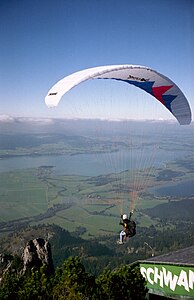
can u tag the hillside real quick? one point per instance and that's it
(176, 210)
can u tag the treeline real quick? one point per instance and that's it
(178, 211)
(19, 224)
(71, 281)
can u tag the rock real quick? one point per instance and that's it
(36, 254)
(5, 264)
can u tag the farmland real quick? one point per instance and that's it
(93, 204)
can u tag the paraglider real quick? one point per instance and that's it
(152, 82)
(129, 228)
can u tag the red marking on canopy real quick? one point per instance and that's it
(159, 91)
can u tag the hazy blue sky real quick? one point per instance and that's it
(41, 41)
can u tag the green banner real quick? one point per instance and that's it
(169, 279)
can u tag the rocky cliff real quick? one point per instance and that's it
(36, 253)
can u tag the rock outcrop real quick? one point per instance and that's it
(36, 254)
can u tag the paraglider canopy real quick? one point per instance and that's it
(152, 82)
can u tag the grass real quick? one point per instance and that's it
(95, 225)
(94, 205)
(18, 204)
(21, 195)
(144, 203)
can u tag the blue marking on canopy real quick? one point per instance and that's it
(144, 85)
(168, 100)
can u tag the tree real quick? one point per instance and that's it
(125, 282)
(73, 282)
(9, 287)
(36, 285)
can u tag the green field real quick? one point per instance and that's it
(21, 195)
(93, 203)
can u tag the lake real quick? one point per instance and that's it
(95, 164)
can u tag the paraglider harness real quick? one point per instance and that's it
(129, 226)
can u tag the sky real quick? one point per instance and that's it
(41, 41)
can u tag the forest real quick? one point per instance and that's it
(71, 281)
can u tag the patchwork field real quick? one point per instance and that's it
(88, 205)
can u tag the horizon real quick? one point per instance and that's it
(4, 118)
